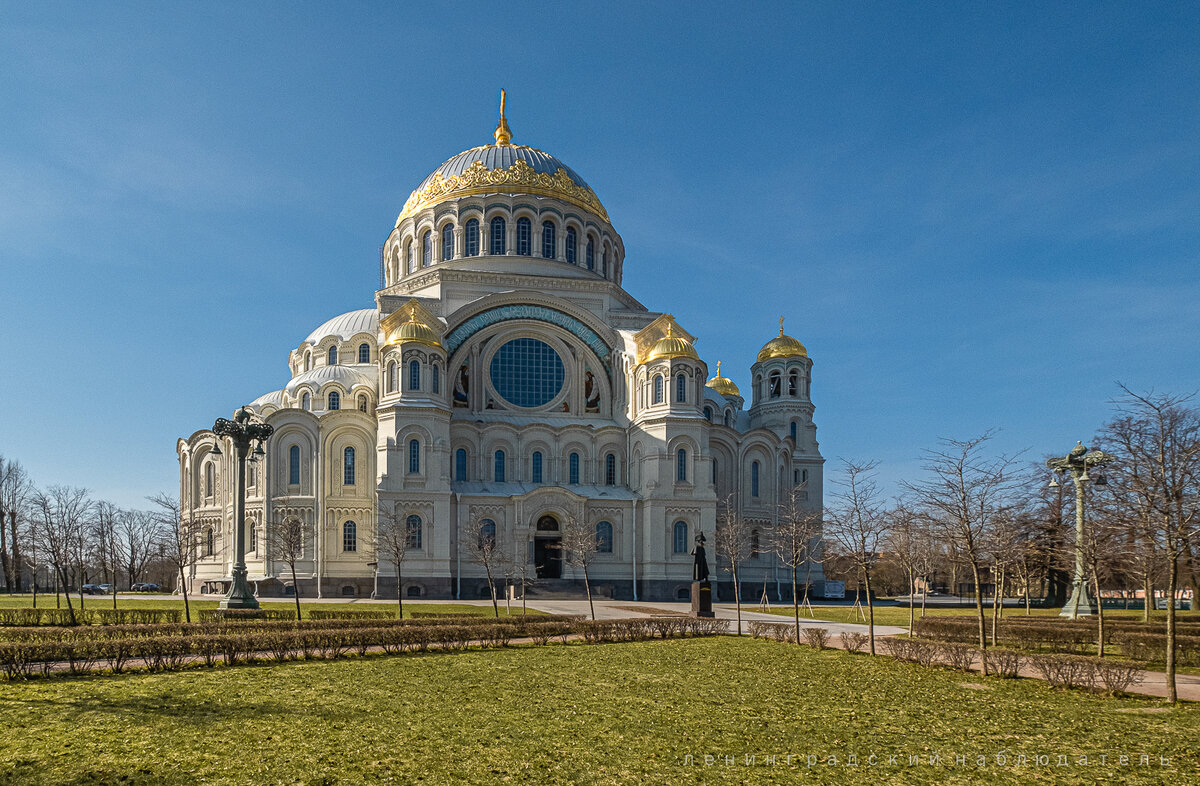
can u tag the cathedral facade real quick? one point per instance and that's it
(503, 386)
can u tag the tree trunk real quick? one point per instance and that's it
(996, 602)
(4, 563)
(1172, 583)
(796, 600)
(737, 597)
(16, 548)
(492, 590)
(912, 607)
(924, 593)
(187, 611)
(870, 611)
(1099, 614)
(296, 591)
(980, 615)
(67, 584)
(587, 585)
(399, 591)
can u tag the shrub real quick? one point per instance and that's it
(351, 614)
(245, 615)
(208, 648)
(135, 616)
(1002, 662)
(1118, 675)
(959, 657)
(816, 637)
(1067, 671)
(854, 642)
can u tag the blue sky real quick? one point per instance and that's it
(975, 215)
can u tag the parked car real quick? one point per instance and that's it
(148, 587)
(137, 587)
(91, 589)
(106, 589)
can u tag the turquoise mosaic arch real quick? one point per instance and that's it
(492, 316)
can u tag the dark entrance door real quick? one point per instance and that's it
(547, 557)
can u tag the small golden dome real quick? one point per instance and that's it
(415, 331)
(723, 385)
(782, 347)
(672, 346)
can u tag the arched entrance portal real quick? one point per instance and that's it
(547, 548)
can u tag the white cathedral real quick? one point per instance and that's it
(502, 385)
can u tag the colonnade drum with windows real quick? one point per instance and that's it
(502, 390)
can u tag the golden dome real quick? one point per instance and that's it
(782, 347)
(415, 331)
(723, 385)
(672, 346)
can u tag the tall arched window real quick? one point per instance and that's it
(604, 537)
(364, 353)
(792, 430)
(524, 237)
(679, 538)
(681, 466)
(499, 476)
(535, 467)
(349, 536)
(294, 465)
(610, 469)
(306, 402)
(209, 549)
(714, 472)
(333, 356)
(604, 263)
(414, 375)
(348, 467)
(680, 388)
(499, 236)
(708, 414)
(412, 532)
(793, 383)
(487, 534)
(391, 377)
(590, 254)
(208, 480)
(447, 242)
(335, 400)
(573, 469)
(414, 456)
(253, 473)
(362, 402)
(548, 239)
(409, 259)
(658, 389)
(728, 418)
(435, 379)
(253, 537)
(753, 543)
(572, 241)
(754, 479)
(427, 249)
(773, 383)
(471, 239)
(460, 464)
(307, 361)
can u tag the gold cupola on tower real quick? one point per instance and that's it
(782, 347)
(672, 346)
(723, 385)
(412, 330)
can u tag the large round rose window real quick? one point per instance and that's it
(527, 372)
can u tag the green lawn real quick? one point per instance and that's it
(133, 602)
(615, 713)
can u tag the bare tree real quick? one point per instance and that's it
(394, 537)
(135, 536)
(176, 542)
(858, 525)
(1157, 437)
(732, 543)
(104, 538)
(61, 514)
(966, 491)
(910, 544)
(796, 539)
(285, 542)
(15, 491)
(482, 549)
(580, 544)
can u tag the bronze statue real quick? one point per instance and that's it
(700, 563)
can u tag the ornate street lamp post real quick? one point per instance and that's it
(242, 433)
(1077, 463)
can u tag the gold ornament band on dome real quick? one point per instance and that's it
(520, 177)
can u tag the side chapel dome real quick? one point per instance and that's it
(782, 347)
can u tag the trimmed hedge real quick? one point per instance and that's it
(244, 615)
(59, 617)
(1152, 647)
(235, 644)
(351, 614)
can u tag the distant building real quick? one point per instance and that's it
(502, 384)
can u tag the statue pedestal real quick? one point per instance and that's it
(701, 599)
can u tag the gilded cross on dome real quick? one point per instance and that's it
(502, 133)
